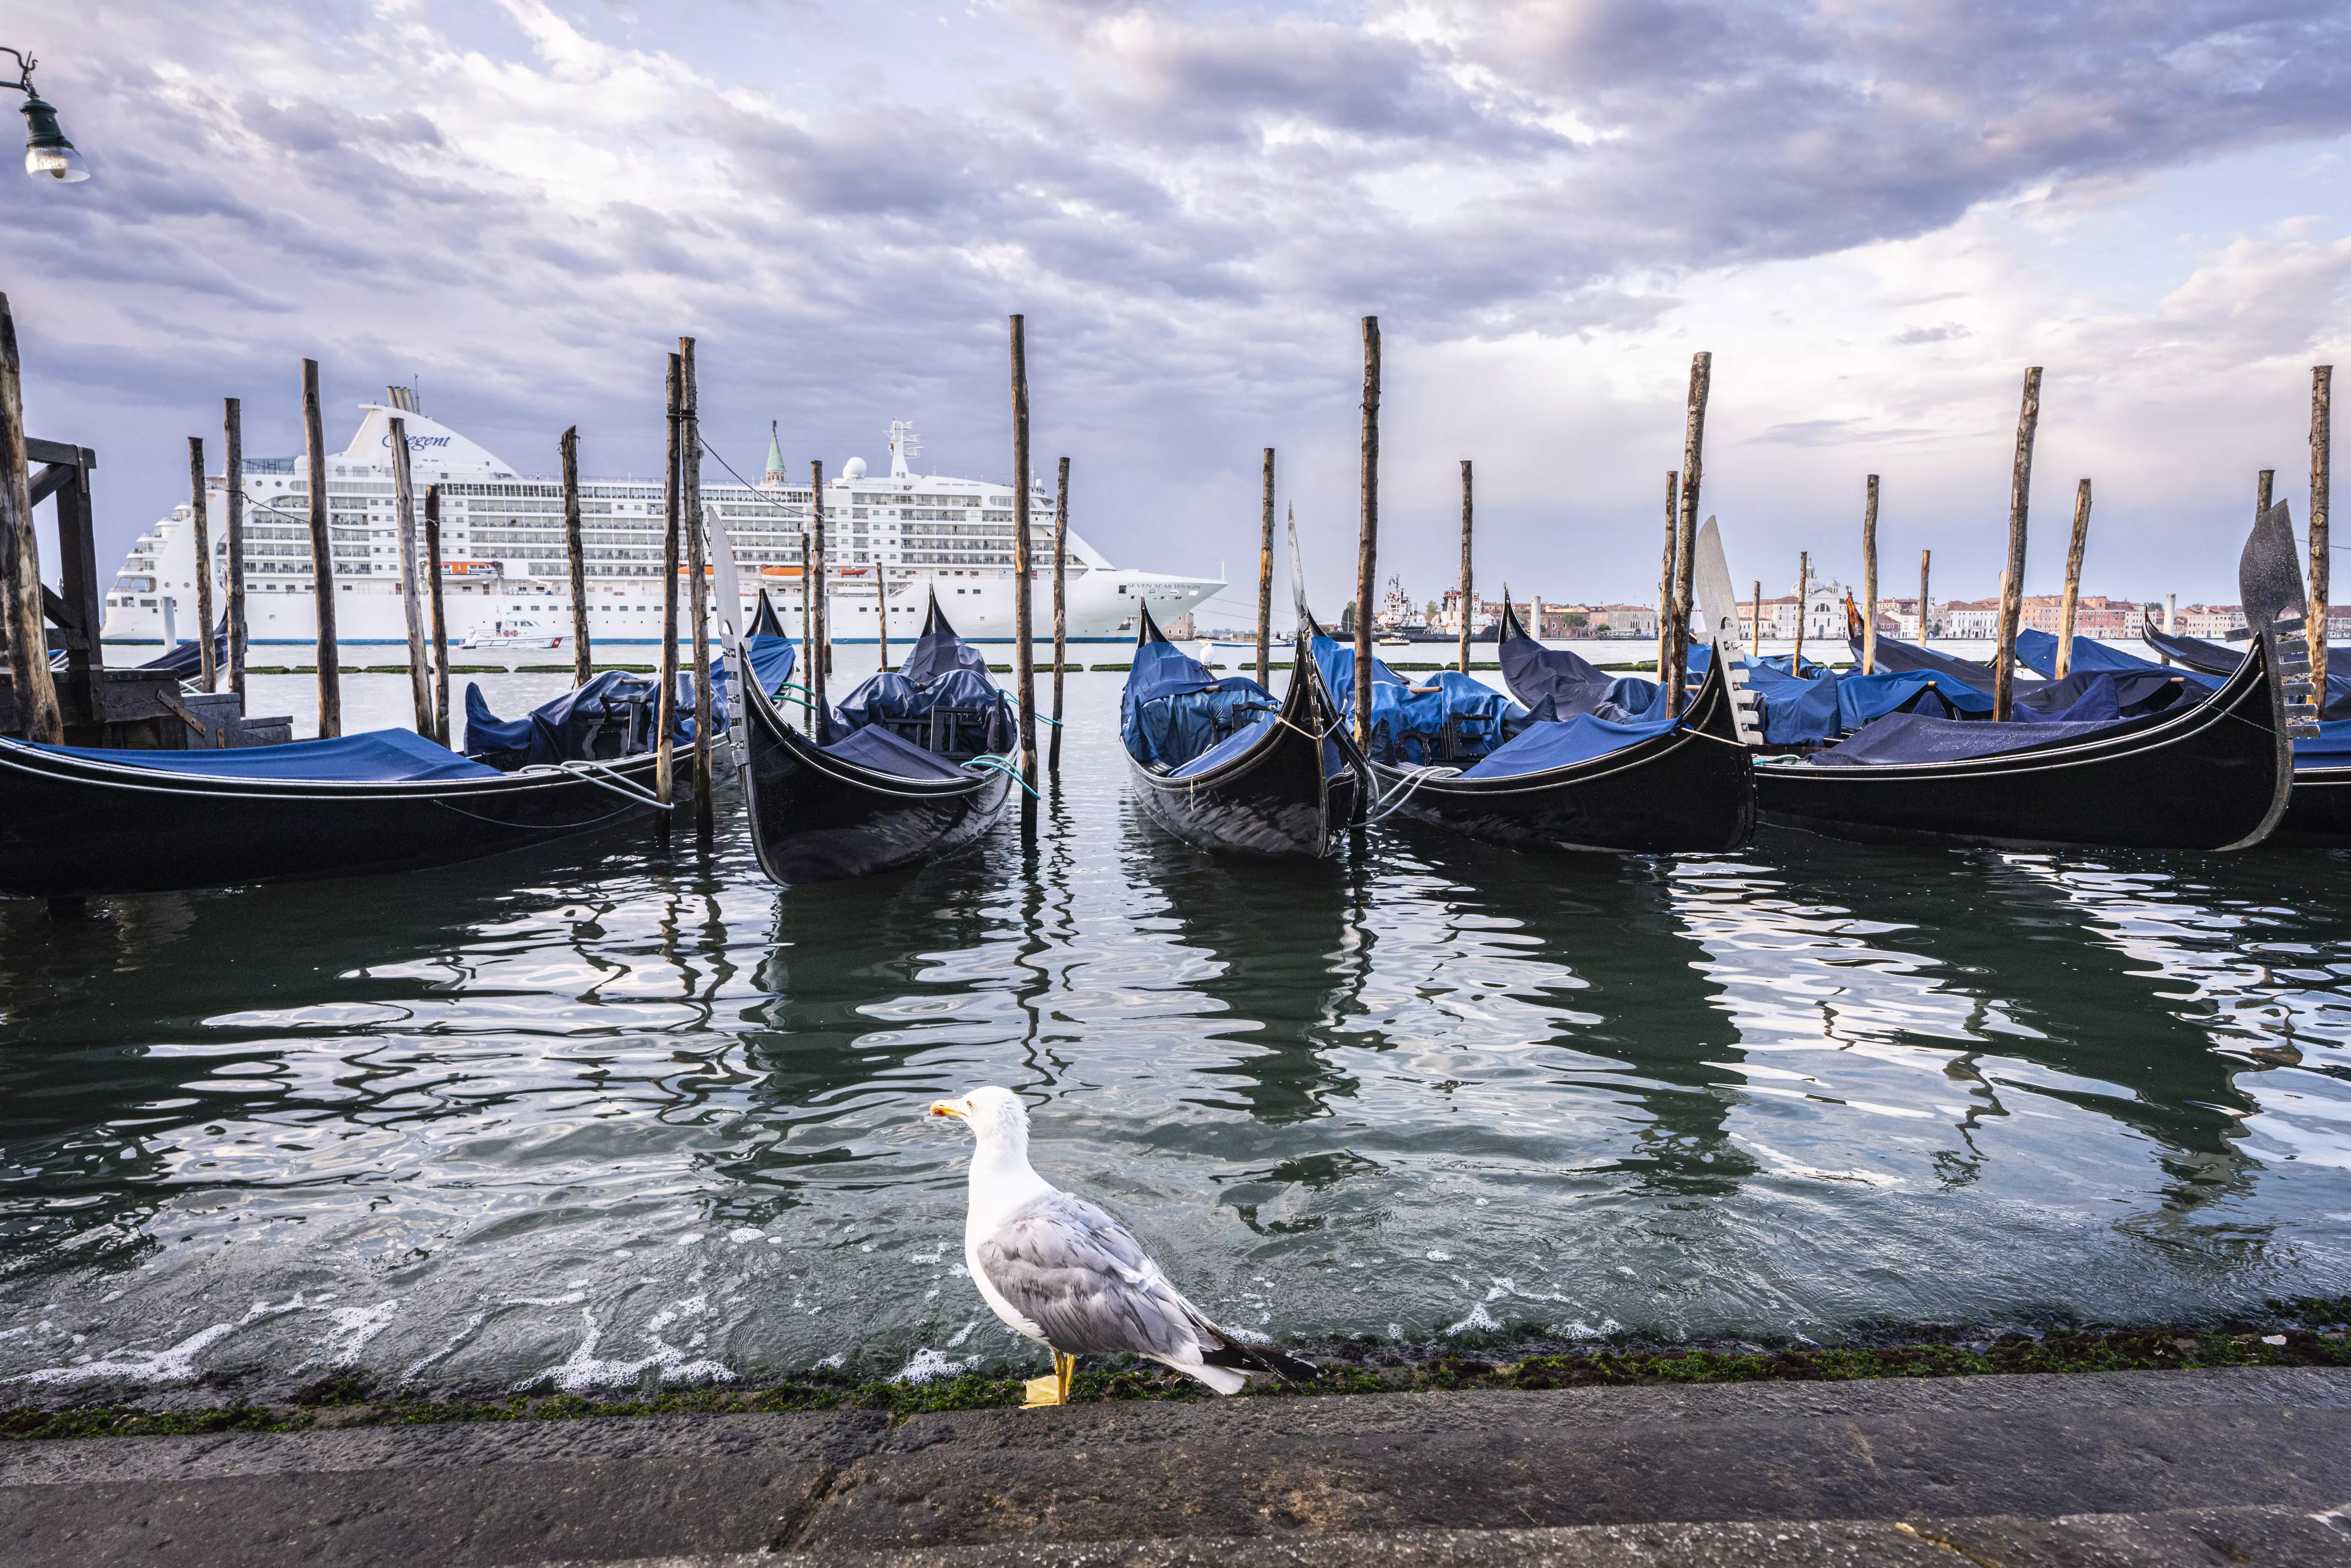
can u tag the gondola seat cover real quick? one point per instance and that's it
(978, 718)
(875, 747)
(1915, 737)
(1561, 743)
(1455, 717)
(584, 723)
(377, 757)
(1251, 731)
(1176, 713)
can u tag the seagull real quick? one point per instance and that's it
(1061, 1271)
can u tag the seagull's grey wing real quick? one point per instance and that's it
(1076, 1274)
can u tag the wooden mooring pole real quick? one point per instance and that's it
(1701, 382)
(1024, 661)
(1869, 580)
(440, 621)
(1755, 629)
(233, 493)
(1803, 584)
(21, 620)
(1666, 571)
(2263, 489)
(207, 670)
(2322, 462)
(404, 506)
(1265, 577)
(881, 605)
(808, 634)
(1926, 561)
(2067, 605)
(665, 713)
(1060, 606)
(1367, 541)
(820, 608)
(2012, 586)
(689, 490)
(322, 561)
(1469, 583)
(575, 546)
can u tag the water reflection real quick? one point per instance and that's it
(619, 1115)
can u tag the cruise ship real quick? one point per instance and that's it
(506, 578)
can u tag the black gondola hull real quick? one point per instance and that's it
(2213, 776)
(816, 817)
(70, 828)
(1281, 797)
(1691, 789)
(1278, 799)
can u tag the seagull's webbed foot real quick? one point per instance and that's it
(1055, 1389)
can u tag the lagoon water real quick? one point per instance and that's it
(603, 1114)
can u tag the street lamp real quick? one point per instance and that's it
(46, 150)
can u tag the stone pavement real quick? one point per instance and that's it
(2243, 1465)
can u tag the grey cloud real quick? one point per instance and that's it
(1192, 211)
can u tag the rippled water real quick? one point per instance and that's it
(595, 1116)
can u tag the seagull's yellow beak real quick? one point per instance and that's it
(950, 1108)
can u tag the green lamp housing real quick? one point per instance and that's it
(46, 150)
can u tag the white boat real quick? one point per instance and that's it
(509, 634)
(892, 541)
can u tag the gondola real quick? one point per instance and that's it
(75, 822)
(1216, 762)
(2318, 814)
(1589, 782)
(920, 776)
(2208, 774)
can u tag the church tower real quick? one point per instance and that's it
(775, 476)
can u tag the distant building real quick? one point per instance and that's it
(1971, 619)
(1180, 630)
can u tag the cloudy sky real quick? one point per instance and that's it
(1874, 215)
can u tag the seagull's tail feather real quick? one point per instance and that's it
(1239, 1356)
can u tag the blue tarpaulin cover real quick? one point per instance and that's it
(1914, 738)
(2037, 652)
(1559, 743)
(1257, 728)
(1573, 684)
(937, 653)
(1411, 727)
(772, 660)
(971, 716)
(587, 722)
(1176, 713)
(2330, 747)
(377, 757)
(873, 746)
